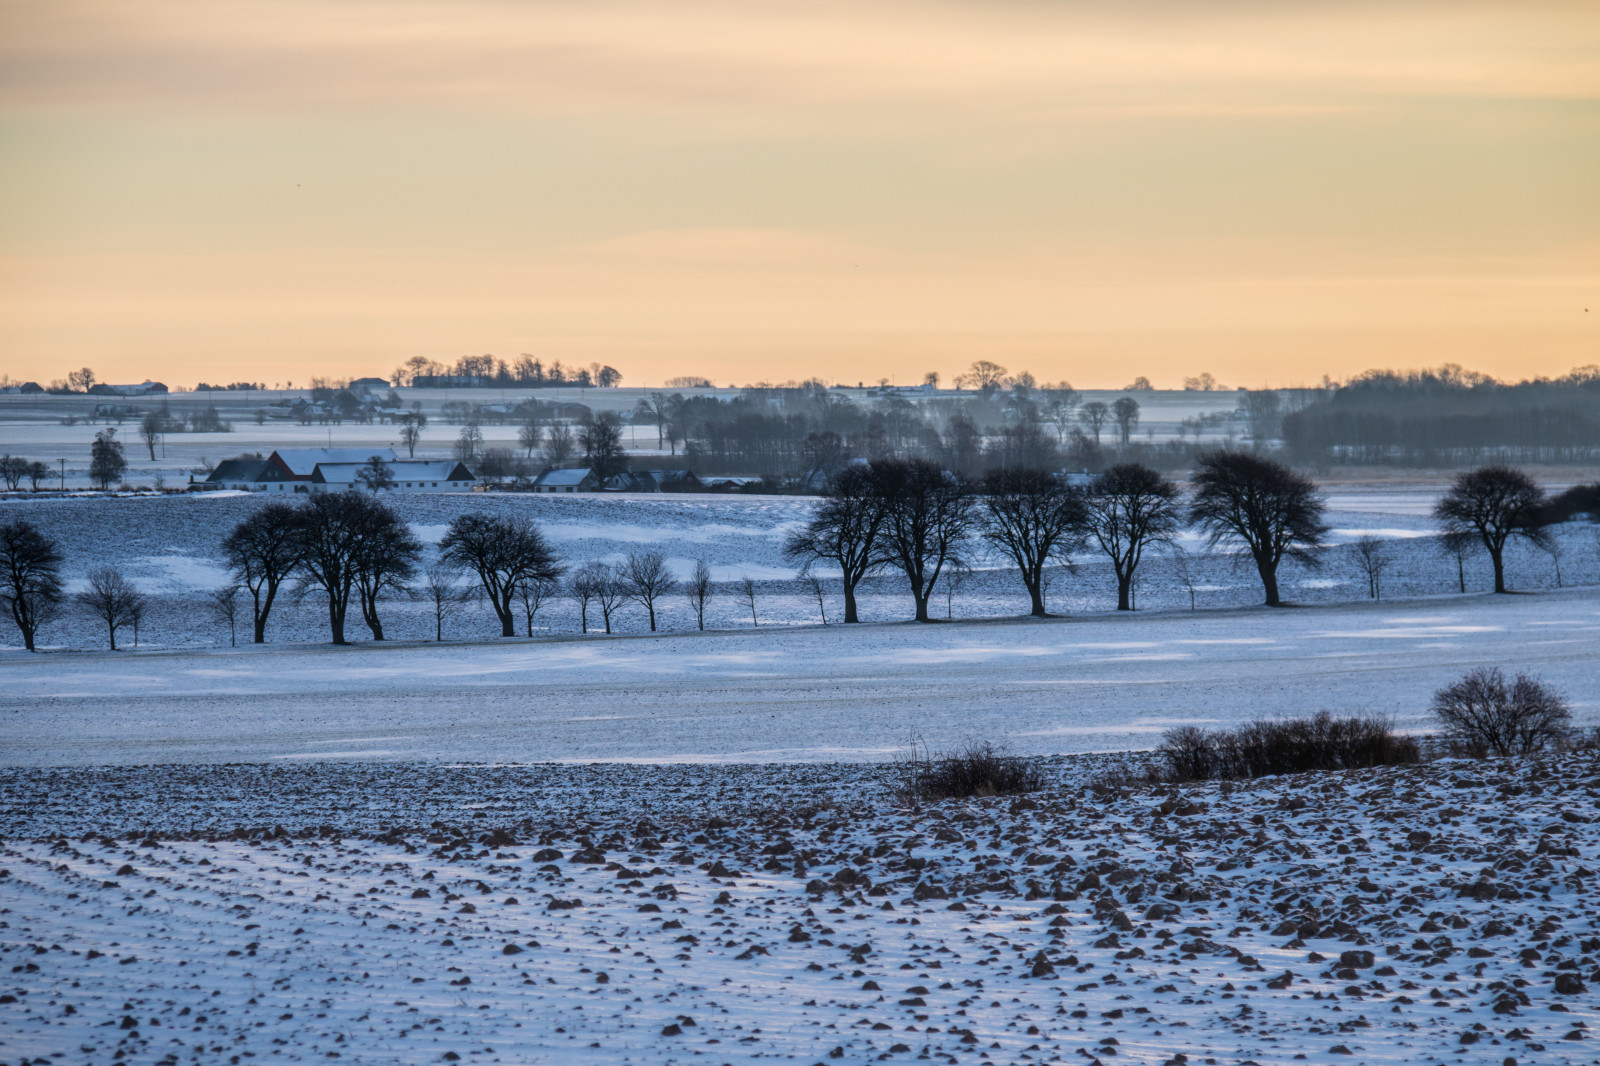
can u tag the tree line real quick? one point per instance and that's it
(907, 516)
(1449, 416)
(914, 517)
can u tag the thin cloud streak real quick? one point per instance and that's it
(706, 54)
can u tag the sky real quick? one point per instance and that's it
(230, 190)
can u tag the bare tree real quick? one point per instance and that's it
(223, 603)
(106, 462)
(1129, 508)
(647, 579)
(411, 424)
(1095, 414)
(375, 474)
(559, 446)
(1458, 545)
(601, 441)
(700, 589)
(1485, 714)
(442, 590)
(929, 516)
(151, 426)
(1262, 505)
(844, 531)
(470, 441)
(1553, 547)
(136, 615)
(534, 594)
(955, 576)
(1263, 413)
(610, 590)
(505, 553)
(385, 559)
(658, 408)
(329, 529)
(1494, 503)
(113, 599)
(37, 472)
(531, 432)
(13, 468)
(1033, 516)
(1126, 413)
(1373, 558)
(1183, 567)
(814, 583)
(262, 552)
(747, 592)
(30, 577)
(580, 587)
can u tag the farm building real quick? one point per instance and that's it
(338, 469)
(406, 475)
(144, 388)
(568, 479)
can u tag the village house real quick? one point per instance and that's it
(567, 479)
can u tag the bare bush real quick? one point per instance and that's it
(1486, 716)
(1298, 745)
(979, 769)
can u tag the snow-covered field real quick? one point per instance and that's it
(170, 547)
(787, 693)
(1445, 913)
(688, 847)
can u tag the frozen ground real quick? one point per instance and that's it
(786, 694)
(421, 914)
(169, 547)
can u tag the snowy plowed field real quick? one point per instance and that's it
(671, 915)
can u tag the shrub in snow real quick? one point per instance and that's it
(979, 769)
(1486, 716)
(1297, 745)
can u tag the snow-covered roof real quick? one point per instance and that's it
(573, 475)
(238, 470)
(399, 470)
(302, 461)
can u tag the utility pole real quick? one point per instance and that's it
(63, 475)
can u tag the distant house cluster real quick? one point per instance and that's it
(339, 470)
(27, 388)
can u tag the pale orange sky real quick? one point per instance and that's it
(230, 189)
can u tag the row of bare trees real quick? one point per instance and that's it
(907, 516)
(349, 546)
(32, 590)
(916, 518)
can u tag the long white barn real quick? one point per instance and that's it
(407, 475)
